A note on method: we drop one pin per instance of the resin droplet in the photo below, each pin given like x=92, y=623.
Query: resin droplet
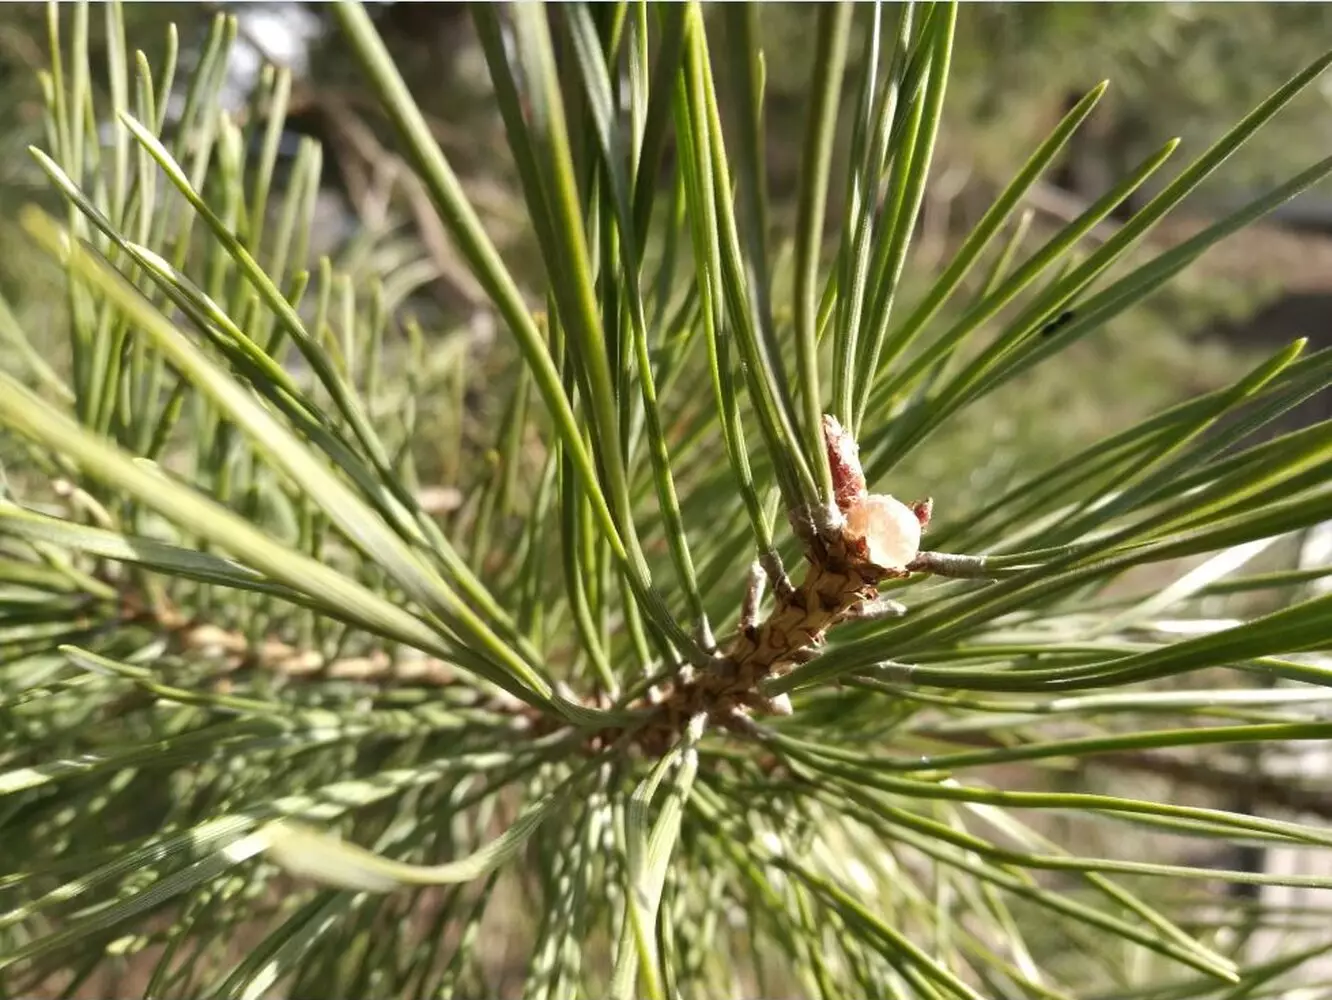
x=890, y=528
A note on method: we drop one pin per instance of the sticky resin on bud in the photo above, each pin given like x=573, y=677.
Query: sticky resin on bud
x=890, y=528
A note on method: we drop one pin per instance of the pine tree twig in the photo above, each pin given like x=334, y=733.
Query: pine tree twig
x=234, y=651
x=850, y=547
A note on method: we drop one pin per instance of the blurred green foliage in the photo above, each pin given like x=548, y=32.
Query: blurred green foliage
x=1183, y=69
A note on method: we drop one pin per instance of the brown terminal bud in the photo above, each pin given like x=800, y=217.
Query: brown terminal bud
x=844, y=462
